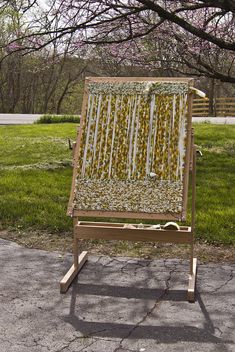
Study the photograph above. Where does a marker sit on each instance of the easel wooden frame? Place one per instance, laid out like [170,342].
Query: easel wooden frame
[116,231]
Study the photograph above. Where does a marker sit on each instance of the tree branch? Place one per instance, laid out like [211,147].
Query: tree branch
[172,17]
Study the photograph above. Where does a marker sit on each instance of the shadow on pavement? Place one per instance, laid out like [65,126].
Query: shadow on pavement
[160,333]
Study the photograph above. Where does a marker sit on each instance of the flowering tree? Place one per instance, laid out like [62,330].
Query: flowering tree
[40,81]
[196,34]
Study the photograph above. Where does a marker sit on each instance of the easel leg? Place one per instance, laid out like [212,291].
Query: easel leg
[193,261]
[75,251]
[192,276]
[78,262]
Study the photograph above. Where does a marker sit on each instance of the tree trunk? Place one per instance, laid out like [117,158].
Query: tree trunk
[211,97]
[62,98]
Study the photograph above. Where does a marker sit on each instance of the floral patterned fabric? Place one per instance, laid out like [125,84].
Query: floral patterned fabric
[133,142]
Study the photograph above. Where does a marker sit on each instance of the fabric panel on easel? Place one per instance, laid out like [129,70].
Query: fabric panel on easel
[133,137]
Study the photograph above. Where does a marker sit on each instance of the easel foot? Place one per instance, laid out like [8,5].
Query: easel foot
[192,282]
[72,273]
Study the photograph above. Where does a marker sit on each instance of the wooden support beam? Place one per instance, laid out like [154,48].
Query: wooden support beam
[126,215]
[192,282]
[119,232]
[72,273]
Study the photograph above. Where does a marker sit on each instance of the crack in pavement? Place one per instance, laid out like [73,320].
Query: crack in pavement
[70,342]
[92,343]
[158,300]
[88,336]
[110,262]
[220,331]
[97,261]
[26,344]
[128,350]
[225,283]
[124,263]
[137,264]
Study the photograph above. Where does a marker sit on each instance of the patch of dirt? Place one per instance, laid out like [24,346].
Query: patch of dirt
[227,148]
[63,243]
[51,165]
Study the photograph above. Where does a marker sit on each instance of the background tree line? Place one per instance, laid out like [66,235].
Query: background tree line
[45,53]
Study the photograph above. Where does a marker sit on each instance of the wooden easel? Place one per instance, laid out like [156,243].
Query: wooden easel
[117,231]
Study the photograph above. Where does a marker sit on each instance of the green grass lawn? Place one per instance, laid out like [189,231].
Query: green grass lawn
[35,178]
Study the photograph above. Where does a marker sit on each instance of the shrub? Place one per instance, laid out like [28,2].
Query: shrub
[58,119]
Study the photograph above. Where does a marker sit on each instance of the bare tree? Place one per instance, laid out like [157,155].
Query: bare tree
[204,25]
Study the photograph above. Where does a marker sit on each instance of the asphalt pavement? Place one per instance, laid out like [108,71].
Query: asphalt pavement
[216,120]
[115,305]
[18,119]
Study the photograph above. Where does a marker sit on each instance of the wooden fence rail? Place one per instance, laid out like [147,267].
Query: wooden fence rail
[225,106]
[221,107]
[201,107]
